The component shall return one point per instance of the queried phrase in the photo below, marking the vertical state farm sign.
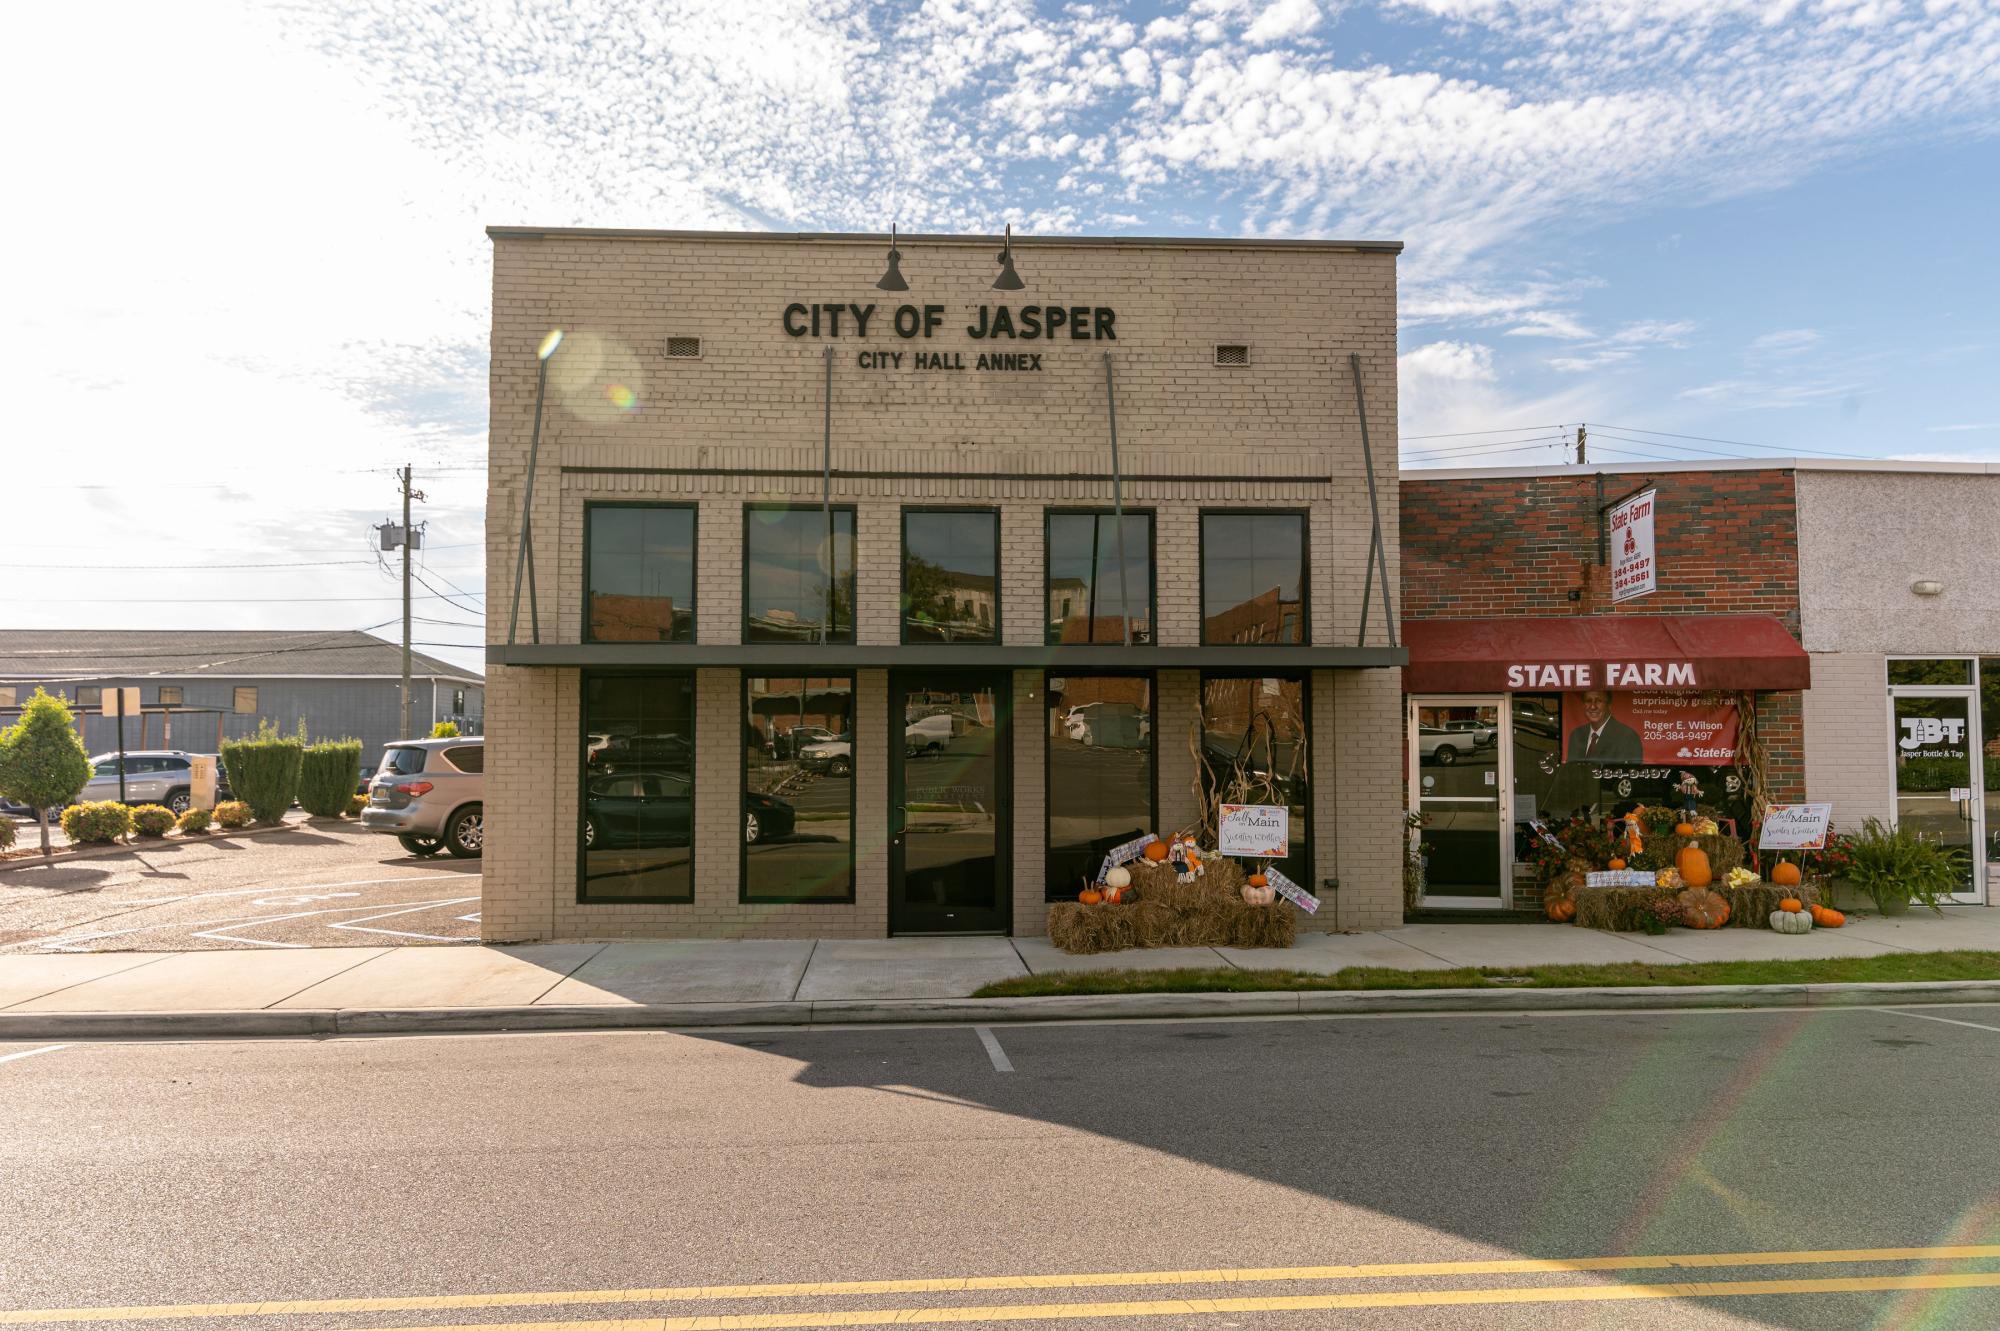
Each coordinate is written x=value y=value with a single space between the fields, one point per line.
x=1632 y=564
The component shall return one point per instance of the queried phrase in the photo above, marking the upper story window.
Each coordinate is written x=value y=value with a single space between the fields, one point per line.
x=1932 y=670
x=1253 y=578
x=640 y=572
x=951 y=575
x=1092 y=592
x=243 y=700
x=798 y=574
x=171 y=695
x=90 y=695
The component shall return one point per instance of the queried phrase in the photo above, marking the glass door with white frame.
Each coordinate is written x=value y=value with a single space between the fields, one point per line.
x=1459 y=785
x=1933 y=737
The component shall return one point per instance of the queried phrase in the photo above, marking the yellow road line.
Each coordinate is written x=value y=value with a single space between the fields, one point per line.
x=1059 y=1280
x=1042 y=1312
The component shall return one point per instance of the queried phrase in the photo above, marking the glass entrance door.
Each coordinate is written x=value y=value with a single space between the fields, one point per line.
x=1933 y=735
x=948 y=797
x=1459 y=781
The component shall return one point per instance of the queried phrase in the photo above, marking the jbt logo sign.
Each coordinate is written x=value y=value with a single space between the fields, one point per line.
x=1921 y=730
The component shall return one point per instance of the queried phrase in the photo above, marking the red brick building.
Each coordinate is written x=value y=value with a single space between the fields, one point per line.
x=1533 y=694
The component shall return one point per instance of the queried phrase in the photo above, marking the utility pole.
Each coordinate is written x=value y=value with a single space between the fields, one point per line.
x=1582 y=446
x=408 y=538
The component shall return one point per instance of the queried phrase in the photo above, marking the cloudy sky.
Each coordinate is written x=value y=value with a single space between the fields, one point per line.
x=247 y=275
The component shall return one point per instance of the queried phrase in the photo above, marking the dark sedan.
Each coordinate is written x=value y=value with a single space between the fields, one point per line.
x=639 y=808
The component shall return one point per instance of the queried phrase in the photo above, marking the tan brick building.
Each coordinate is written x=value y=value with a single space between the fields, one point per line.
x=826 y=628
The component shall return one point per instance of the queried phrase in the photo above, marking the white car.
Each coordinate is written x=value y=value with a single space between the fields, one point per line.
x=927 y=734
x=835 y=757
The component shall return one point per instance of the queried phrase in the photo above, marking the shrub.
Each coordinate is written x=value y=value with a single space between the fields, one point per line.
x=99 y=821
x=1896 y=867
x=355 y=804
x=6 y=833
x=328 y=773
x=195 y=820
x=232 y=813
x=152 y=820
x=445 y=730
x=42 y=762
x=264 y=771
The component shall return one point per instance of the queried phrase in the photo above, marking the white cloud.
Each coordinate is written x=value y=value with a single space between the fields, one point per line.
x=1980 y=427
x=1447 y=360
x=1282 y=19
x=1550 y=323
x=1788 y=342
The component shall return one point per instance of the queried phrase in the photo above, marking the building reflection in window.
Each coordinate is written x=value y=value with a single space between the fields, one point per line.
x=1254 y=751
x=951 y=575
x=1100 y=775
x=641 y=572
x=798 y=789
x=1253 y=577
x=1088 y=599
x=796 y=575
x=636 y=827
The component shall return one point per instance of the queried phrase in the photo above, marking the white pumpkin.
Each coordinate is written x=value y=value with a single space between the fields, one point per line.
x=1120 y=876
x=1791 y=921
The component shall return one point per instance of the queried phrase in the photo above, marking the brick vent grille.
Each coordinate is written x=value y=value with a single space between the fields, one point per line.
x=1227 y=353
x=683 y=348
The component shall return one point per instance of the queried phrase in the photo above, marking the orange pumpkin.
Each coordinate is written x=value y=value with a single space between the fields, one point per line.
x=1617 y=863
x=1156 y=851
x=1826 y=917
x=1560 y=909
x=1702 y=908
x=1684 y=829
x=1693 y=864
x=1791 y=905
x=1114 y=896
x=1786 y=874
x=1259 y=880
x=1090 y=896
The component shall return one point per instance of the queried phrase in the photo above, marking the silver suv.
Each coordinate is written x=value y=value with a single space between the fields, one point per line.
x=152 y=776
x=428 y=794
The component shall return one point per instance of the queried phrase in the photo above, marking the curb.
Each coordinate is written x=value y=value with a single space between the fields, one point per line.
x=936 y=1011
x=64 y=854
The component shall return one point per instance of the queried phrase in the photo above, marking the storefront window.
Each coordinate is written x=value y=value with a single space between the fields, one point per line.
x=1090 y=597
x=639 y=565
x=1100 y=775
x=798 y=789
x=1989 y=732
x=797 y=575
x=1934 y=670
x=1253 y=578
x=951 y=588
x=636 y=833
x=1254 y=751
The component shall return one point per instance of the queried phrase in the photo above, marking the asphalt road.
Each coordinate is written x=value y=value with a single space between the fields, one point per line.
x=1199 y=1155
x=322 y=885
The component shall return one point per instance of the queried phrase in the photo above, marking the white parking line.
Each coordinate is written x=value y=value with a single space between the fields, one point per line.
x=993 y=1049
x=1925 y=1016
x=355 y=925
x=30 y=1053
x=299 y=887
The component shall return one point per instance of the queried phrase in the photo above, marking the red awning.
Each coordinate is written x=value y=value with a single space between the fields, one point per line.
x=1574 y=652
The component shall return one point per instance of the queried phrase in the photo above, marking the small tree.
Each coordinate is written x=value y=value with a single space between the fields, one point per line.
x=328 y=775
x=445 y=730
x=42 y=762
x=264 y=770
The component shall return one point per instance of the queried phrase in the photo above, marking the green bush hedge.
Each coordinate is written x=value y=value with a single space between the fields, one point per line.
x=195 y=820
x=6 y=833
x=152 y=820
x=99 y=821
x=232 y=813
x=264 y=770
x=328 y=773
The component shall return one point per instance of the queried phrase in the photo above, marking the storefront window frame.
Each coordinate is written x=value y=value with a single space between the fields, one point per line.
x=1152 y=566
x=1152 y=678
x=1305 y=678
x=743 y=896
x=853 y=565
x=584 y=677
x=1304 y=515
x=1970 y=662
x=590 y=508
x=903 y=573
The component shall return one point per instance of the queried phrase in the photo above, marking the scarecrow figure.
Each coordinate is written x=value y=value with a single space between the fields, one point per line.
x=1177 y=861
x=1689 y=787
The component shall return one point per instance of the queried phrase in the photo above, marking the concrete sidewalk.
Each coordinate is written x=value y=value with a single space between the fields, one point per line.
x=576 y=985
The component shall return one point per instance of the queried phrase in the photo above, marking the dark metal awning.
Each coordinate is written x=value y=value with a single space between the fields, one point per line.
x=1577 y=652
x=803 y=658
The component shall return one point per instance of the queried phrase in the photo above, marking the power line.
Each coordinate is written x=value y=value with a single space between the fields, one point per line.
x=469 y=609
x=1741 y=443
x=1463 y=434
x=100 y=568
x=219 y=600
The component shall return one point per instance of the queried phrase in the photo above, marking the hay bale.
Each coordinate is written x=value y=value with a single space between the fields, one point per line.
x=1617 y=908
x=1209 y=912
x=1750 y=906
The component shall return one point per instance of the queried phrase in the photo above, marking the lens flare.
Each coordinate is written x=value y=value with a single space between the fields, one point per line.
x=621 y=397
x=549 y=344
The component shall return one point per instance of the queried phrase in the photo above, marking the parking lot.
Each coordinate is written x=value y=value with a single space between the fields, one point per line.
x=320 y=885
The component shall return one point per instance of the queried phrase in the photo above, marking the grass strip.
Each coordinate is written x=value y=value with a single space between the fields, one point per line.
x=1891 y=967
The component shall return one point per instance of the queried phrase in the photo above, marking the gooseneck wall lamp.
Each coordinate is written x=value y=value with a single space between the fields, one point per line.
x=524 y=547
x=1009 y=280
x=892 y=280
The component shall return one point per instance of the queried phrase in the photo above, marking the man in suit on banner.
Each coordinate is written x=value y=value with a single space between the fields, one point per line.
x=1603 y=738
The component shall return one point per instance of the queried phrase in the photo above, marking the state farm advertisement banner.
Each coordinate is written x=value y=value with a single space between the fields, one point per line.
x=1633 y=572
x=1650 y=729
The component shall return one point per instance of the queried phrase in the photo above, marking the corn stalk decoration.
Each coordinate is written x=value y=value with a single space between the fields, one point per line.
x=1238 y=779
x=1751 y=758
